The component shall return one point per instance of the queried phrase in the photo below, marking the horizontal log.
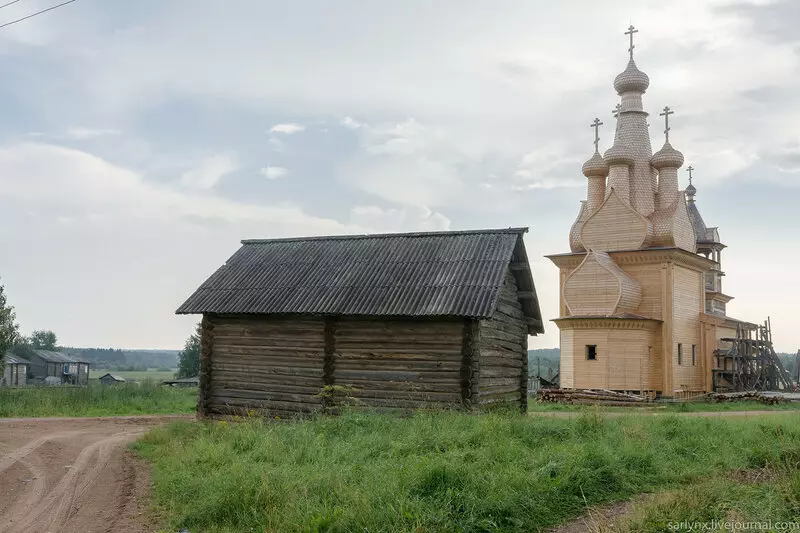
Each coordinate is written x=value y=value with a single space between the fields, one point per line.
x=499 y=372
x=496 y=334
x=287 y=343
x=267 y=351
x=344 y=375
x=404 y=355
x=287 y=329
x=362 y=394
x=499 y=395
x=413 y=404
x=510 y=309
x=404 y=350
x=343 y=363
x=227 y=382
x=245 y=394
x=274 y=372
x=266 y=362
x=218 y=404
x=487 y=382
x=449 y=385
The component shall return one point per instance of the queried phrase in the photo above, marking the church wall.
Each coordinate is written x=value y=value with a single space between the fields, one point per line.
x=627 y=359
x=687 y=306
x=649 y=278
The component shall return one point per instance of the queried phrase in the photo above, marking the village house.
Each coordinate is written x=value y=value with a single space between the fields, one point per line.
x=396 y=320
x=58 y=368
x=16 y=371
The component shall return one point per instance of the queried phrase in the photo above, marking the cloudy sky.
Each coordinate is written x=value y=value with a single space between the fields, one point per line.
x=140 y=141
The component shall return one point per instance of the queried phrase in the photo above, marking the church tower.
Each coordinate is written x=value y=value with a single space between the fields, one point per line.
x=633 y=287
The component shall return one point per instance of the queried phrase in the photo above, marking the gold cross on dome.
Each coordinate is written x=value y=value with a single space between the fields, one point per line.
x=689 y=170
x=596 y=125
x=667 y=112
x=631 y=31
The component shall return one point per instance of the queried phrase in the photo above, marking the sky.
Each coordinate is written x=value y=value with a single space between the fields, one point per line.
x=141 y=141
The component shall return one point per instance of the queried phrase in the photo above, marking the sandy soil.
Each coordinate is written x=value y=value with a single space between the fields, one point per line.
x=76 y=475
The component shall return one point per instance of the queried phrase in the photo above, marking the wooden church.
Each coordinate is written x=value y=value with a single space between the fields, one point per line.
x=641 y=301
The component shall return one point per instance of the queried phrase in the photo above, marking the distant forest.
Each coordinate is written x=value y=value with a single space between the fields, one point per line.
x=116 y=359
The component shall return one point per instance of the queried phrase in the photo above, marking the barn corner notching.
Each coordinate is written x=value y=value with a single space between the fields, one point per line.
x=413 y=320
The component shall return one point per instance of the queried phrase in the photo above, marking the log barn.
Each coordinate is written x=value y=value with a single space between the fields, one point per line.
x=407 y=320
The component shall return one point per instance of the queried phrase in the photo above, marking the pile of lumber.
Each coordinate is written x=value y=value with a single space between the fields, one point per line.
x=752 y=395
x=590 y=397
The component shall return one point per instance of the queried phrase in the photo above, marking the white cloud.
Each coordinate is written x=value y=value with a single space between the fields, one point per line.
x=407 y=218
x=277 y=144
x=288 y=129
x=90 y=133
x=273 y=172
x=209 y=172
x=351 y=123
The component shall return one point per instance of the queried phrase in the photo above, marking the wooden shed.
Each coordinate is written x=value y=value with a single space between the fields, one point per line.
x=16 y=371
x=394 y=320
x=111 y=379
x=65 y=368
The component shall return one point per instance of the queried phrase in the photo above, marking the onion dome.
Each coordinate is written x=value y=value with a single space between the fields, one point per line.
x=595 y=167
x=619 y=154
x=691 y=190
x=631 y=79
x=667 y=157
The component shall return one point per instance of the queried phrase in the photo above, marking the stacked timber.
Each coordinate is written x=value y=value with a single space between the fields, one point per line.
x=399 y=363
x=769 y=399
x=274 y=366
x=590 y=397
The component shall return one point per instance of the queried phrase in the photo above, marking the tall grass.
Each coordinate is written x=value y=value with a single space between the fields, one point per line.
x=95 y=400
x=435 y=472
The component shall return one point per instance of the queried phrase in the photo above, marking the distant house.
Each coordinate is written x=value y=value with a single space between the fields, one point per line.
x=111 y=379
x=183 y=382
x=413 y=320
x=58 y=367
x=16 y=372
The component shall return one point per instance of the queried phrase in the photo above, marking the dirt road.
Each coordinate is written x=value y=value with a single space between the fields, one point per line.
x=72 y=475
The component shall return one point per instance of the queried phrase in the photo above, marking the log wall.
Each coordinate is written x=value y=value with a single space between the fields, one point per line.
x=273 y=364
x=400 y=363
x=503 y=350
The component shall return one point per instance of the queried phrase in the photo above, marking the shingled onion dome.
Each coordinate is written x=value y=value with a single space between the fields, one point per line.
x=631 y=80
x=691 y=190
x=595 y=167
x=667 y=157
x=619 y=154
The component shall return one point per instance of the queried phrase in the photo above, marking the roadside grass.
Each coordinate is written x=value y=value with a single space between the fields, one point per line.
x=440 y=471
x=665 y=407
x=96 y=400
x=723 y=503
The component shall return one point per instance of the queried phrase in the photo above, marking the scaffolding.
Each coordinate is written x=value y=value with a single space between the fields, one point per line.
x=750 y=363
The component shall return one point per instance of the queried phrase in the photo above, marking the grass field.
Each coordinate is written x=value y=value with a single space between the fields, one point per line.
x=437 y=472
x=138 y=375
x=96 y=400
x=677 y=407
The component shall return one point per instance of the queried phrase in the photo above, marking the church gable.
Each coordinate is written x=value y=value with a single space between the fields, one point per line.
x=616 y=226
x=599 y=287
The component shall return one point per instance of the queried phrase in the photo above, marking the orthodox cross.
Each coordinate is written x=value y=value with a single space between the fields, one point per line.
x=689 y=170
x=616 y=110
x=596 y=125
x=667 y=112
x=631 y=31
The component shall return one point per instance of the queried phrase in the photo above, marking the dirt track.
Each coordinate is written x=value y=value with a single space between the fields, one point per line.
x=72 y=475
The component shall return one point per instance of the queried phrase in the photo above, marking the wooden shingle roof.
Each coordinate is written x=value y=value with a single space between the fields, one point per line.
x=451 y=273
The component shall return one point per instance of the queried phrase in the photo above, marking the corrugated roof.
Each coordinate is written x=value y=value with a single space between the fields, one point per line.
x=114 y=377
x=454 y=273
x=15 y=360
x=56 y=357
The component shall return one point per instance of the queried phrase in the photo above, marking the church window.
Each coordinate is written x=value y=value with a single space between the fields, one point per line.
x=694 y=354
x=680 y=354
x=591 y=352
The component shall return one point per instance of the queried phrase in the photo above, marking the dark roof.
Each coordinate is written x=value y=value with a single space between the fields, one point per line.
x=56 y=357
x=12 y=359
x=451 y=273
x=114 y=377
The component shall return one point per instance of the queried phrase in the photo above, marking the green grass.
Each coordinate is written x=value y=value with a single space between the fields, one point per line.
x=138 y=375
x=438 y=472
x=96 y=400
x=665 y=407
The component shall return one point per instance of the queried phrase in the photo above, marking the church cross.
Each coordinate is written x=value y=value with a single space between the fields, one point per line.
x=596 y=125
x=631 y=31
x=689 y=170
x=616 y=110
x=667 y=112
